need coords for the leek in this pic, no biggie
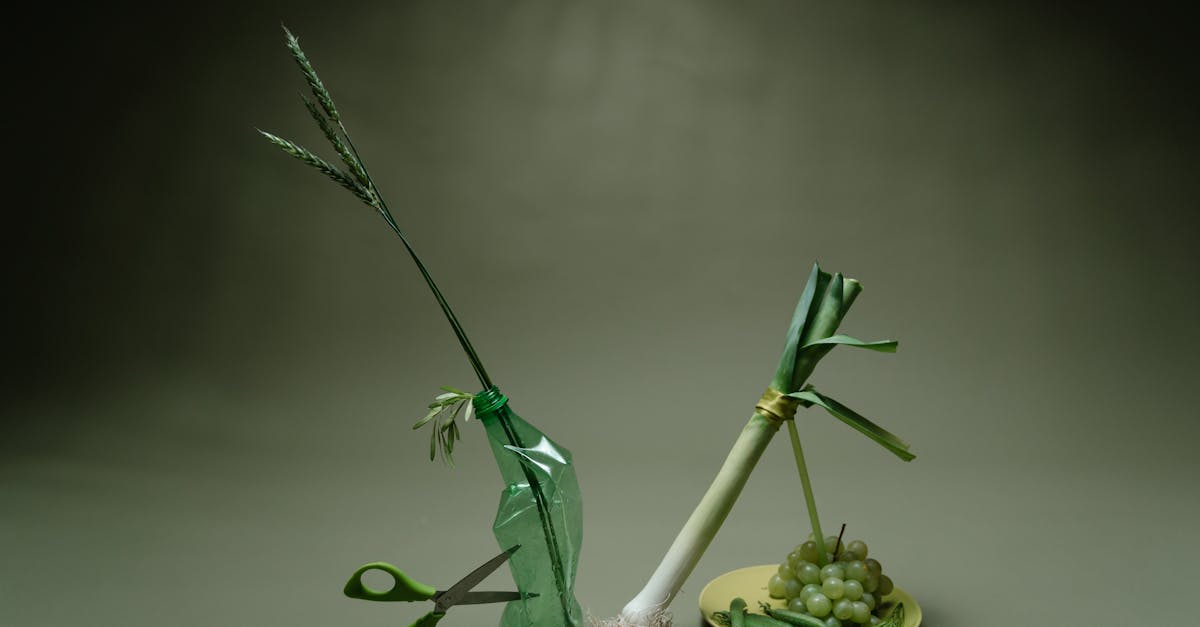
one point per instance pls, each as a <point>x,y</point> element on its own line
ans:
<point>811,335</point>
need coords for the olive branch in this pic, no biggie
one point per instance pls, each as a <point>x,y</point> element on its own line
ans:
<point>443,411</point>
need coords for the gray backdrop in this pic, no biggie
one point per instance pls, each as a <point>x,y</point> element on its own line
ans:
<point>215,355</point>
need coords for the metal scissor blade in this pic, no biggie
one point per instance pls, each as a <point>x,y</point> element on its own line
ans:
<point>455,594</point>
<point>475,598</point>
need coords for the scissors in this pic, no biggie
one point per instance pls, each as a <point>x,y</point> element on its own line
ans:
<point>406,588</point>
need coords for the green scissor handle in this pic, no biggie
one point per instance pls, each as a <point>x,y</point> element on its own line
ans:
<point>405,589</point>
<point>428,620</point>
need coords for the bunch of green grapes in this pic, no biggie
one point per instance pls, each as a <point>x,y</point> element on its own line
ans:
<point>848,589</point>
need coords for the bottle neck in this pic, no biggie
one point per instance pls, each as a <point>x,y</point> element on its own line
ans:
<point>489,401</point>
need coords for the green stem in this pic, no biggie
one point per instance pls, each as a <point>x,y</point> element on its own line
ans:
<point>809,501</point>
<point>382,207</point>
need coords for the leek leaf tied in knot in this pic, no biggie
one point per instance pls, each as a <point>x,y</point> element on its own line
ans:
<point>777,406</point>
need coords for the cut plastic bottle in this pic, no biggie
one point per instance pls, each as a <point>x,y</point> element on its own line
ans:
<point>540,509</point>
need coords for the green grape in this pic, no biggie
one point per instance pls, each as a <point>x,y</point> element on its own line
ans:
<point>857,570</point>
<point>808,573</point>
<point>843,609</point>
<point>776,588</point>
<point>845,591</point>
<point>808,551</point>
<point>833,570</point>
<point>792,588</point>
<point>859,548</point>
<point>861,613</point>
<point>885,585</point>
<point>853,589</point>
<point>819,605</point>
<point>833,588</point>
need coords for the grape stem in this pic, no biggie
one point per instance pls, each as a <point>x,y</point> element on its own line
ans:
<point>838,545</point>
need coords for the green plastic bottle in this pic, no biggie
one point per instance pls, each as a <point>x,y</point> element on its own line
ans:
<point>540,509</point>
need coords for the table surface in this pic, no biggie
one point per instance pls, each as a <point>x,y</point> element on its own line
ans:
<point>188,509</point>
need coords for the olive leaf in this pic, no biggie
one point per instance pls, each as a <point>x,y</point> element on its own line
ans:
<point>430,416</point>
<point>443,411</point>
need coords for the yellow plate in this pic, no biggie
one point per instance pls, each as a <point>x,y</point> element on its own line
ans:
<point>750,583</point>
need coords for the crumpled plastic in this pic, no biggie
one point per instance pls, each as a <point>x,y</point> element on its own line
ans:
<point>535,468</point>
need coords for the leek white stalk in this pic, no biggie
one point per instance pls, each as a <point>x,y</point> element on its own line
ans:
<point>703,524</point>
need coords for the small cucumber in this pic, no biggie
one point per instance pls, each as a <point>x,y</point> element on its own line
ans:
<point>737,612</point>
<point>758,620</point>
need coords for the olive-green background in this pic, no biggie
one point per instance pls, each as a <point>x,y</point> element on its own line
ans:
<point>214,355</point>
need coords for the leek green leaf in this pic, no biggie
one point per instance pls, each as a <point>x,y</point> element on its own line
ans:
<point>883,346</point>
<point>829,313</point>
<point>850,291</point>
<point>823,322</point>
<point>787,364</point>
<point>881,436</point>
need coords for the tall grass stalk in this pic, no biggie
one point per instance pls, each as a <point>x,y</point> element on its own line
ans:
<point>356,178</point>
